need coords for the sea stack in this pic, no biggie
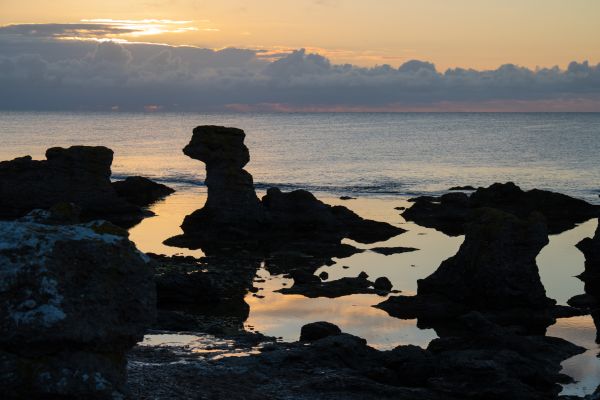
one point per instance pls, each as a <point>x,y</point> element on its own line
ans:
<point>232,200</point>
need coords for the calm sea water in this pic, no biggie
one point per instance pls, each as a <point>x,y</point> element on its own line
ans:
<point>382,159</point>
<point>363,154</point>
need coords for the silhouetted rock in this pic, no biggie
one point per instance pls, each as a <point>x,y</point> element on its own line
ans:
<point>141,191</point>
<point>590,247</point>
<point>78,175</point>
<point>347,198</point>
<point>463,188</point>
<point>311,286</point>
<point>233,217</point>
<point>73,300</point>
<point>450,212</point>
<point>383,283</point>
<point>388,251</point>
<point>494,271</point>
<point>318,330</point>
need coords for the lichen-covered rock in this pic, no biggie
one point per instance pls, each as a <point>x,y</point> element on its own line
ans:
<point>72,301</point>
<point>78,175</point>
<point>141,191</point>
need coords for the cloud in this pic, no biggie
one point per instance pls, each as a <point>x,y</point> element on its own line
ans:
<point>37,71</point>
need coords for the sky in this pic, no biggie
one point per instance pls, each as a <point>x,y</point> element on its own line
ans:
<point>305,55</point>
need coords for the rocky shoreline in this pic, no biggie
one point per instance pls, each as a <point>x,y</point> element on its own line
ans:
<point>76,295</point>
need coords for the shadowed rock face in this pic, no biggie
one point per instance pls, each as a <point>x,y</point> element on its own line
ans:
<point>73,300</point>
<point>233,216</point>
<point>231,196</point>
<point>494,272</point>
<point>590,247</point>
<point>495,267</point>
<point>451,211</point>
<point>79,175</point>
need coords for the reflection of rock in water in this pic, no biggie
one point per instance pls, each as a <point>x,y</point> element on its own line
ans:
<point>234,218</point>
<point>494,272</point>
<point>203,294</point>
<point>451,211</point>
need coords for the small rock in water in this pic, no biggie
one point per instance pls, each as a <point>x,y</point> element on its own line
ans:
<point>318,330</point>
<point>383,283</point>
<point>387,251</point>
<point>347,198</point>
<point>324,276</point>
<point>465,188</point>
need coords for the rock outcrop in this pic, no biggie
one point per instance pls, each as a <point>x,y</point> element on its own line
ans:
<point>141,191</point>
<point>73,300</point>
<point>79,175</point>
<point>234,217</point>
<point>590,247</point>
<point>494,272</point>
<point>451,211</point>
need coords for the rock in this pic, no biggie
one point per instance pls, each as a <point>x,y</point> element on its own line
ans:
<point>383,283</point>
<point>72,302</point>
<point>324,276</point>
<point>313,286</point>
<point>463,188</point>
<point>318,330</point>
<point>232,202</point>
<point>141,191</point>
<point>388,251</point>
<point>174,287</point>
<point>78,175</point>
<point>494,271</point>
<point>590,247</point>
<point>347,198</point>
<point>450,212</point>
<point>234,218</point>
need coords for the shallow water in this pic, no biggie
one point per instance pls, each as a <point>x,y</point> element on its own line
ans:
<point>381,158</point>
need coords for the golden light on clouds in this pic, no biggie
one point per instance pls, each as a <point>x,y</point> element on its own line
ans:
<point>476,34</point>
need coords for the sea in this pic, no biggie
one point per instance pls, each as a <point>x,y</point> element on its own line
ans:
<point>380,159</point>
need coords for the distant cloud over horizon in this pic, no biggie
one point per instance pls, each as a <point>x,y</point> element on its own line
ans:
<point>39,70</point>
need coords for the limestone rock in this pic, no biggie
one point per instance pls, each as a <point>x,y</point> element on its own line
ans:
<point>72,301</point>
<point>78,175</point>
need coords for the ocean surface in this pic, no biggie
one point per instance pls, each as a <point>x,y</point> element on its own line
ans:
<point>374,154</point>
<point>382,159</point>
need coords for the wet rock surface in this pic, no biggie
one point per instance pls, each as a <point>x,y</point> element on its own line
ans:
<point>233,216</point>
<point>494,271</point>
<point>487,363</point>
<point>141,191</point>
<point>73,300</point>
<point>451,211</point>
<point>78,175</point>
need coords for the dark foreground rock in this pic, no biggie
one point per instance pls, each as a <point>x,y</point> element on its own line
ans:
<point>79,175</point>
<point>318,330</point>
<point>590,247</point>
<point>141,191</point>
<point>234,217</point>
<point>494,272</point>
<point>73,300</point>
<point>451,211</point>
<point>487,363</point>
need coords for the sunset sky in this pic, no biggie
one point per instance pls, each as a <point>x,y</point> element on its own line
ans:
<point>470,34</point>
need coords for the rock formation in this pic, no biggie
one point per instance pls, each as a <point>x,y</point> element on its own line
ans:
<point>451,211</point>
<point>79,175</point>
<point>141,191</point>
<point>494,271</point>
<point>73,300</point>
<point>233,216</point>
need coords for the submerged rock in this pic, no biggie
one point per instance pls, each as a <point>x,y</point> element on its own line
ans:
<point>234,217</point>
<point>450,212</point>
<point>141,191</point>
<point>78,175</point>
<point>494,271</point>
<point>72,302</point>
